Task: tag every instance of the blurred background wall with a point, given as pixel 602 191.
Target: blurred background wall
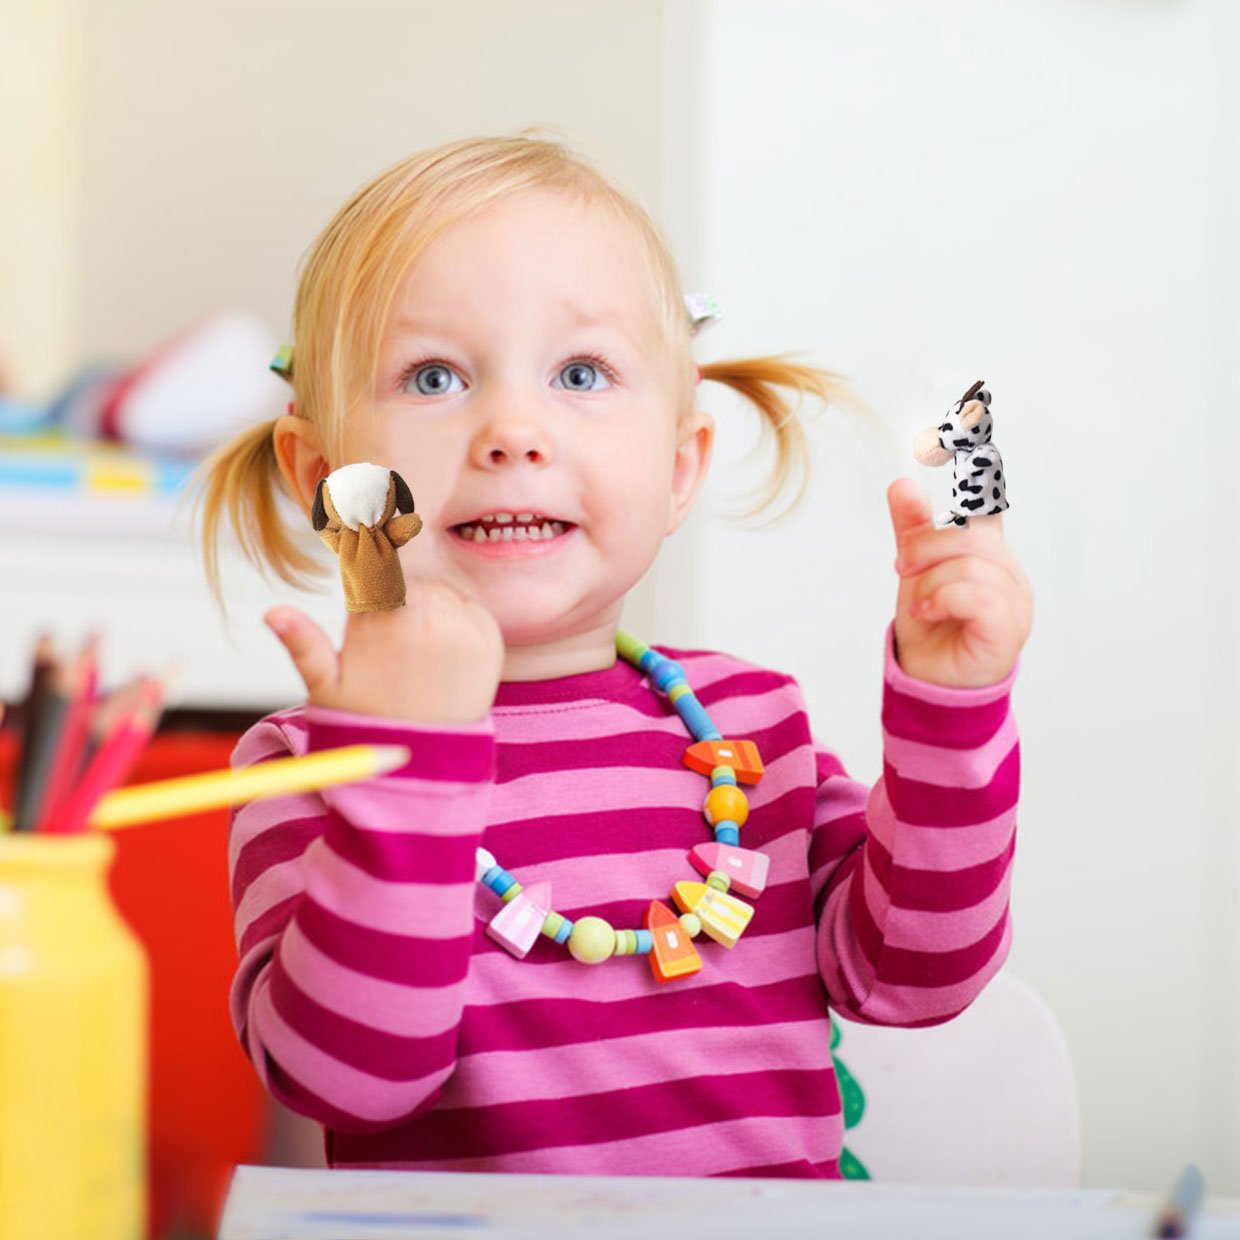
pixel 1042 193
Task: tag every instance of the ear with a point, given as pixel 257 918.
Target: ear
pixel 971 414
pixel 300 456
pixel 404 497
pixel 694 442
pixel 972 392
pixel 318 514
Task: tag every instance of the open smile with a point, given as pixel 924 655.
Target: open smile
pixel 507 533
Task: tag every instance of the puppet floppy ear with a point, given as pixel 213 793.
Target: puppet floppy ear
pixel 404 497
pixel 318 513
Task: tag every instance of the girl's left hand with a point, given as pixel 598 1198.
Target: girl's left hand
pixel 964 607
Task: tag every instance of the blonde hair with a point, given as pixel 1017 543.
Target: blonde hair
pixel 350 278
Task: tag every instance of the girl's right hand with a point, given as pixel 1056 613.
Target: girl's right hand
pixel 438 659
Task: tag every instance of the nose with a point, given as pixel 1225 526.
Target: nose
pixel 510 439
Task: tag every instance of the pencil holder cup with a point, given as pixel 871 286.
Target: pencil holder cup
pixel 73 1046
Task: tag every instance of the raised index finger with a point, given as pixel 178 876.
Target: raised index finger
pixel 910 513
pixel 989 529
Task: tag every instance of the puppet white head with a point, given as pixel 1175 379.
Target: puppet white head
pixel 968 422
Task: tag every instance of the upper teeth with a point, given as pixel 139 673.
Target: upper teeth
pixel 527 528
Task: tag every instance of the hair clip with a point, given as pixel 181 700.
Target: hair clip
pixel 703 311
pixel 282 363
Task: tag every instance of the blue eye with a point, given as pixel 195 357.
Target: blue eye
pixel 433 379
pixel 583 377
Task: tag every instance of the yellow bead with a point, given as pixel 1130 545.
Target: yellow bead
pixel 592 940
pixel 691 924
pixel 726 803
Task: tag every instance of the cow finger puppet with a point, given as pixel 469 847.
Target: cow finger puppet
pixel 364 513
pixel 978 486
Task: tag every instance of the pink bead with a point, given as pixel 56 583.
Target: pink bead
pixel 746 869
pixel 516 926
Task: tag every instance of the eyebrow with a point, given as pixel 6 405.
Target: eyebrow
pixel 605 320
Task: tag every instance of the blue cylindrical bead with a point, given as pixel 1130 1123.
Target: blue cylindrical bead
pixel 493 875
pixel 667 674
pixel 696 719
pixel 645 943
pixel 561 935
pixel 727 833
pixel 722 775
pixel 502 883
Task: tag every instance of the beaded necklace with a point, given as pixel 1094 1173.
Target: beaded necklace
pixel 704 907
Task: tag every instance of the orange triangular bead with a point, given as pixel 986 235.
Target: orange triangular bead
pixel 741 756
pixel 673 954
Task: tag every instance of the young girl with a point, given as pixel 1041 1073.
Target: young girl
pixel 504 327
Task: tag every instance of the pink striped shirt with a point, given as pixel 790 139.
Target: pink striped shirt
pixel 369 996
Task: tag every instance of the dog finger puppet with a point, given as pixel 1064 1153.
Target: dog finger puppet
pixel 978 486
pixel 364 513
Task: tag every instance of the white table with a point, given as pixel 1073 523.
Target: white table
pixel 273 1203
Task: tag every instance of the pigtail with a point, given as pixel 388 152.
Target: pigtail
pixel 241 479
pixel 766 382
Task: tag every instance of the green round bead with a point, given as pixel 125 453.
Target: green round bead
pixel 592 940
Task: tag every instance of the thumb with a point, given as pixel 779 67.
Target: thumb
pixel 910 513
pixel 308 646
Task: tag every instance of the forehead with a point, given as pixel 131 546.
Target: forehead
pixel 535 253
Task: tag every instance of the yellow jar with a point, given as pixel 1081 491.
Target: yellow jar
pixel 73 1046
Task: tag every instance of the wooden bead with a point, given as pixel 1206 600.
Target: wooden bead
pixel 718 880
pixel 691 924
pixel 746 868
pixel 515 927
pixel 726 833
pixel 672 953
pixel 741 756
pixel 723 916
pixel 592 940
pixel 725 803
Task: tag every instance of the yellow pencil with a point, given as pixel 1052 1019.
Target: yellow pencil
pixel 189 794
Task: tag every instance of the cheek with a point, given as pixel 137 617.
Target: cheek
pixel 422 455
pixel 629 495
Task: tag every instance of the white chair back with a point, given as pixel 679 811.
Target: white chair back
pixel 986 1099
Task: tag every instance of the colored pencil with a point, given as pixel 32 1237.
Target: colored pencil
pixel 42 739
pixel 189 794
pixel 40 673
pixel 1176 1217
pixel 126 726
pixel 67 757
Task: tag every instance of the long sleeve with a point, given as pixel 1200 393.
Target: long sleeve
pixel 912 877
pixel 353 913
